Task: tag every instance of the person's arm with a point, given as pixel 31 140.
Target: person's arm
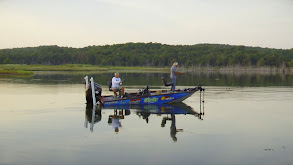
pixel 179 73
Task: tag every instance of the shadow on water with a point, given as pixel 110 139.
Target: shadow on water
pixel 154 79
pixel 167 113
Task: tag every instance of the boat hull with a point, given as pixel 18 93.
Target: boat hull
pixel 152 99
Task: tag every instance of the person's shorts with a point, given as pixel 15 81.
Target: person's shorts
pixel 117 88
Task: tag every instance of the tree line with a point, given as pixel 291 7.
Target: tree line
pixel 151 55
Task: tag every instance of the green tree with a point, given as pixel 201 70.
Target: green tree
pixel 150 54
pixel 7 61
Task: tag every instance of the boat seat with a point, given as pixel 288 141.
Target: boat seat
pixel 110 85
pixel 165 82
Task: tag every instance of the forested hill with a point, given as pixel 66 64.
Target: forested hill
pixel 150 54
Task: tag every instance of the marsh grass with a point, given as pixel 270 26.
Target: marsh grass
pixel 137 69
pixel 30 69
pixel 80 67
pixel 66 67
pixel 15 72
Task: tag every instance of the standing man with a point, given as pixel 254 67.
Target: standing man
pixel 173 75
pixel 116 82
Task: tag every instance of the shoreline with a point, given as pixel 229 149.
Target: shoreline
pixel 14 72
pixel 18 69
pixel 239 70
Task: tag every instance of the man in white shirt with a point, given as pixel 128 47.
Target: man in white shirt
pixel 116 82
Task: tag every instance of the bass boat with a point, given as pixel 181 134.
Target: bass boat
pixel 142 97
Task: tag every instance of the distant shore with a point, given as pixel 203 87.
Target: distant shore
pixel 240 69
pixel 18 69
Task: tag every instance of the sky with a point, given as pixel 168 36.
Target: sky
pixel 81 23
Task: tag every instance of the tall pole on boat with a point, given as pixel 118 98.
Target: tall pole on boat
pixel 203 101
pixel 86 81
pixel 200 100
pixel 93 90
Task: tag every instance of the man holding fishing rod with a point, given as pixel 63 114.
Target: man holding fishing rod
pixel 173 74
pixel 116 82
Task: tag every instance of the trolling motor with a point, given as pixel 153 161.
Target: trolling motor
pixel 201 96
pixel 199 87
pixel 98 93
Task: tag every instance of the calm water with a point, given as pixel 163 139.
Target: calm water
pixel 246 119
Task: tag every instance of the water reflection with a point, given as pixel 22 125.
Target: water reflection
pixel 92 115
pixel 115 115
pixel 115 119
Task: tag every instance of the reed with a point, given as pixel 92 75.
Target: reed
pixel 13 68
pixel 15 72
pixel 78 67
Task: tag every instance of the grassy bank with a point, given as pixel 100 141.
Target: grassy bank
pixel 29 69
pixel 15 72
pixel 72 67
pixel 79 67
pixel 137 69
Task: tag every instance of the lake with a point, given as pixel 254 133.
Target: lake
pixel 245 119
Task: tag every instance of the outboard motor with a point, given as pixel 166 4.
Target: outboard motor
pixel 98 93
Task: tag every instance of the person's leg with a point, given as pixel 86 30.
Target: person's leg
pixel 122 91
pixel 174 84
pixel 115 93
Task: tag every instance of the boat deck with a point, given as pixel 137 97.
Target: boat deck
pixel 138 95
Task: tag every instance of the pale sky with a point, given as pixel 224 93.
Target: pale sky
pixel 81 23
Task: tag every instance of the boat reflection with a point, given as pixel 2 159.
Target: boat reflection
pixel 168 113
pixel 92 115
